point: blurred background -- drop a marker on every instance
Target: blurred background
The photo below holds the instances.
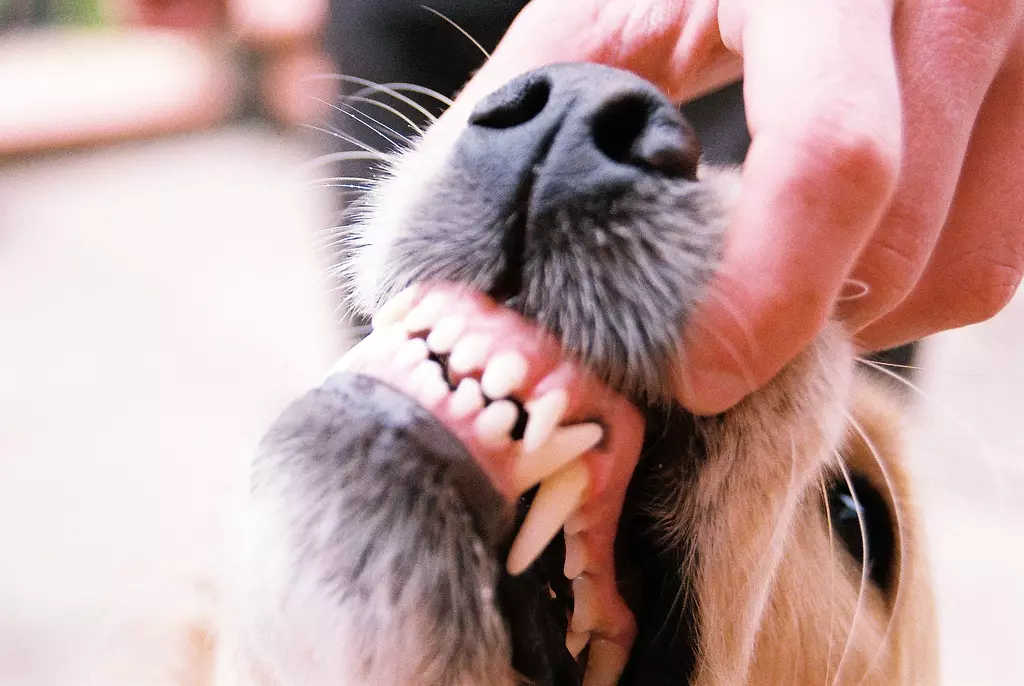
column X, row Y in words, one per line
column 170, row 171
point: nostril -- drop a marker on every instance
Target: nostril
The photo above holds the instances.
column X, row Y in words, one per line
column 517, row 103
column 649, row 135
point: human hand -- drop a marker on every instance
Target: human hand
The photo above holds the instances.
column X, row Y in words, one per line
column 887, row 151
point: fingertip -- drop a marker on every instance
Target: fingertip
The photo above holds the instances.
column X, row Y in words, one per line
column 711, row 391
column 742, row 335
column 716, row 369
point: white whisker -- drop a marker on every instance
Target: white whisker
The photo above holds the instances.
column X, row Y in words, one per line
column 345, row 156
column 862, row 290
column 901, row 541
column 383, row 105
column 863, row 568
column 389, row 89
column 422, row 90
column 461, row 30
column 729, row 348
column 345, row 137
column 985, row 451
column 773, row 556
column 831, row 575
column 351, row 112
column 734, row 312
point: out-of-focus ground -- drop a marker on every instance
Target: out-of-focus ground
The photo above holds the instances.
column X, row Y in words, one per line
column 162, row 301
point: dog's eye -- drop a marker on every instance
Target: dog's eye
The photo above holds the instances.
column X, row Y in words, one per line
column 859, row 515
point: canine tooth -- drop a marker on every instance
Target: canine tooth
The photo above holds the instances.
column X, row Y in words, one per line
column 559, row 495
column 504, row 374
column 575, row 643
column 394, row 310
column 546, row 413
column 426, row 314
column 495, row 422
column 467, row 399
column 575, row 557
column 561, row 448
column 412, row 352
column 428, row 383
column 445, row 334
column 605, row 663
column 469, row 353
column 584, row 612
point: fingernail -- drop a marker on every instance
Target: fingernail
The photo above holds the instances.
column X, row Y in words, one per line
column 712, row 391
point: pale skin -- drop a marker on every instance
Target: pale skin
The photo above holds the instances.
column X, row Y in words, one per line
column 888, row 153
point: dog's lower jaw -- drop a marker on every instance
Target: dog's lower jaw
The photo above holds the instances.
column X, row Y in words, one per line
column 333, row 590
column 292, row 623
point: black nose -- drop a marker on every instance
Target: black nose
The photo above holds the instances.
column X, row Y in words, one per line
column 568, row 133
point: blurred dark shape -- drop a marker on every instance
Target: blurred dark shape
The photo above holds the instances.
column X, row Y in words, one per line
column 16, row 14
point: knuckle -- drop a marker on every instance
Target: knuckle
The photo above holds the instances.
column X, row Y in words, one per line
column 852, row 153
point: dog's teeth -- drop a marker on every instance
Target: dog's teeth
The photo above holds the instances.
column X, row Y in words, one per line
column 562, row 447
column 394, row 310
column 495, row 423
column 445, row 334
column 584, row 605
column 426, row 314
column 605, row 663
column 505, row 373
column 575, row 557
column 469, row 353
column 411, row 353
column 467, row 399
column 575, row 643
column 428, row 383
column 558, row 496
column 546, row 413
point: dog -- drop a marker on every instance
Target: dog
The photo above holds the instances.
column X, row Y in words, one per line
column 497, row 486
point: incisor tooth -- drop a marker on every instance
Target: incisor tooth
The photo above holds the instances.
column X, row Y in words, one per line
column 575, row 643
column 546, row 413
column 445, row 334
column 469, row 353
column 426, row 314
column 411, row 353
column 505, row 373
column 467, row 399
column 605, row 663
column 558, row 496
column 394, row 310
column 562, row 447
column 428, row 383
column 495, row 423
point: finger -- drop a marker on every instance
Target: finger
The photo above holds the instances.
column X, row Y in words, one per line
column 946, row 62
column 977, row 264
column 823, row 108
column 671, row 43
